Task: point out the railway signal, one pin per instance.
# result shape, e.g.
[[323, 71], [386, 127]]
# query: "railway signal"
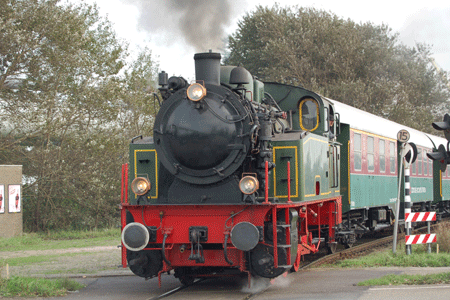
[[444, 125], [442, 154], [408, 156]]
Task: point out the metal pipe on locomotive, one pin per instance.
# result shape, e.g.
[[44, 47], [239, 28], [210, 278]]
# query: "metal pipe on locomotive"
[[229, 182]]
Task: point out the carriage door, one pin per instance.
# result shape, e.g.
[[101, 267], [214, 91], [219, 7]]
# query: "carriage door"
[[334, 166]]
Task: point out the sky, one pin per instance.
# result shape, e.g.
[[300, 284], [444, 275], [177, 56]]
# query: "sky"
[[166, 26]]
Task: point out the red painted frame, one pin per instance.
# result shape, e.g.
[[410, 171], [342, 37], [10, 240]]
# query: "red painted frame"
[[175, 220]]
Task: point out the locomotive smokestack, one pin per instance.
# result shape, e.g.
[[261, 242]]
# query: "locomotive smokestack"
[[207, 67]]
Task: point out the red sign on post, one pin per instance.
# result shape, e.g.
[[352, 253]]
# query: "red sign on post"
[[420, 239], [420, 217]]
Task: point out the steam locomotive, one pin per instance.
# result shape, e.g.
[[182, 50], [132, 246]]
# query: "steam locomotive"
[[247, 177]]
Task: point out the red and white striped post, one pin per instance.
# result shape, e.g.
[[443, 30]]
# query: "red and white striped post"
[[420, 238]]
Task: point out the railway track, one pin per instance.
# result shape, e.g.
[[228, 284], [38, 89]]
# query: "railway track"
[[175, 290], [353, 252]]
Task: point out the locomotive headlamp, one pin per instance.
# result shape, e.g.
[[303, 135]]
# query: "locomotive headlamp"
[[248, 185], [196, 92], [140, 186]]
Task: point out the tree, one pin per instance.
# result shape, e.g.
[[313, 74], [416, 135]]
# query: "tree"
[[66, 111], [362, 65]]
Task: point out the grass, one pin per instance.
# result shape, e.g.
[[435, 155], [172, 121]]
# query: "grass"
[[60, 240], [388, 259], [418, 258], [35, 259], [73, 271], [40, 287], [439, 278], [37, 287]]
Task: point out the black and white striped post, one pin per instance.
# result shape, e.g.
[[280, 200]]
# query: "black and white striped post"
[[408, 155], [407, 205]]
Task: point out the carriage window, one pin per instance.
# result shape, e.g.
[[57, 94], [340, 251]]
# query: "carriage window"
[[309, 114], [382, 157], [419, 161], [425, 163], [370, 154], [392, 157], [430, 167], [357, 151]]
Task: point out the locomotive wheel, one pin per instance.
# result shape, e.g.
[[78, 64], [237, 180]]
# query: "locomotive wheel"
[[347, 246], [262, 261], [145, 264], [187, 280], [184, 274], [331, 248]]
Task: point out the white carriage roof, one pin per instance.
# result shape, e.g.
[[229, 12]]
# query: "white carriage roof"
[[361, 120]]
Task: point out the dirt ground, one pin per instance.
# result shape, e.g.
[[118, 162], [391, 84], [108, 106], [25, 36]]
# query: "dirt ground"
[[73, 262]]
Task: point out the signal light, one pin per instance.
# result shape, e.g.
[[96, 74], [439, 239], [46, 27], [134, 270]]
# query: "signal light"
[[445, 125], [441, 154]]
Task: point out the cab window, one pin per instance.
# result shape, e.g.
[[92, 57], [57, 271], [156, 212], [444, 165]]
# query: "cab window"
[[309, 114]]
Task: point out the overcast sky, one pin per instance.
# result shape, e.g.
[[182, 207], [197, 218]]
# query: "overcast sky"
[[165, 26]]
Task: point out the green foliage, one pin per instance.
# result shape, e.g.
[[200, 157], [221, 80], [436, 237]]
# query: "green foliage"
[[439, 278], [36, 287], [362, 65], [69, 104]]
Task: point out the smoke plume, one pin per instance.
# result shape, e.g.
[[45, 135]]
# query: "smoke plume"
[[199, 23]]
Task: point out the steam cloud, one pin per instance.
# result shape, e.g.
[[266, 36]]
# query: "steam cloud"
[[259, 284], [200, 23]]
